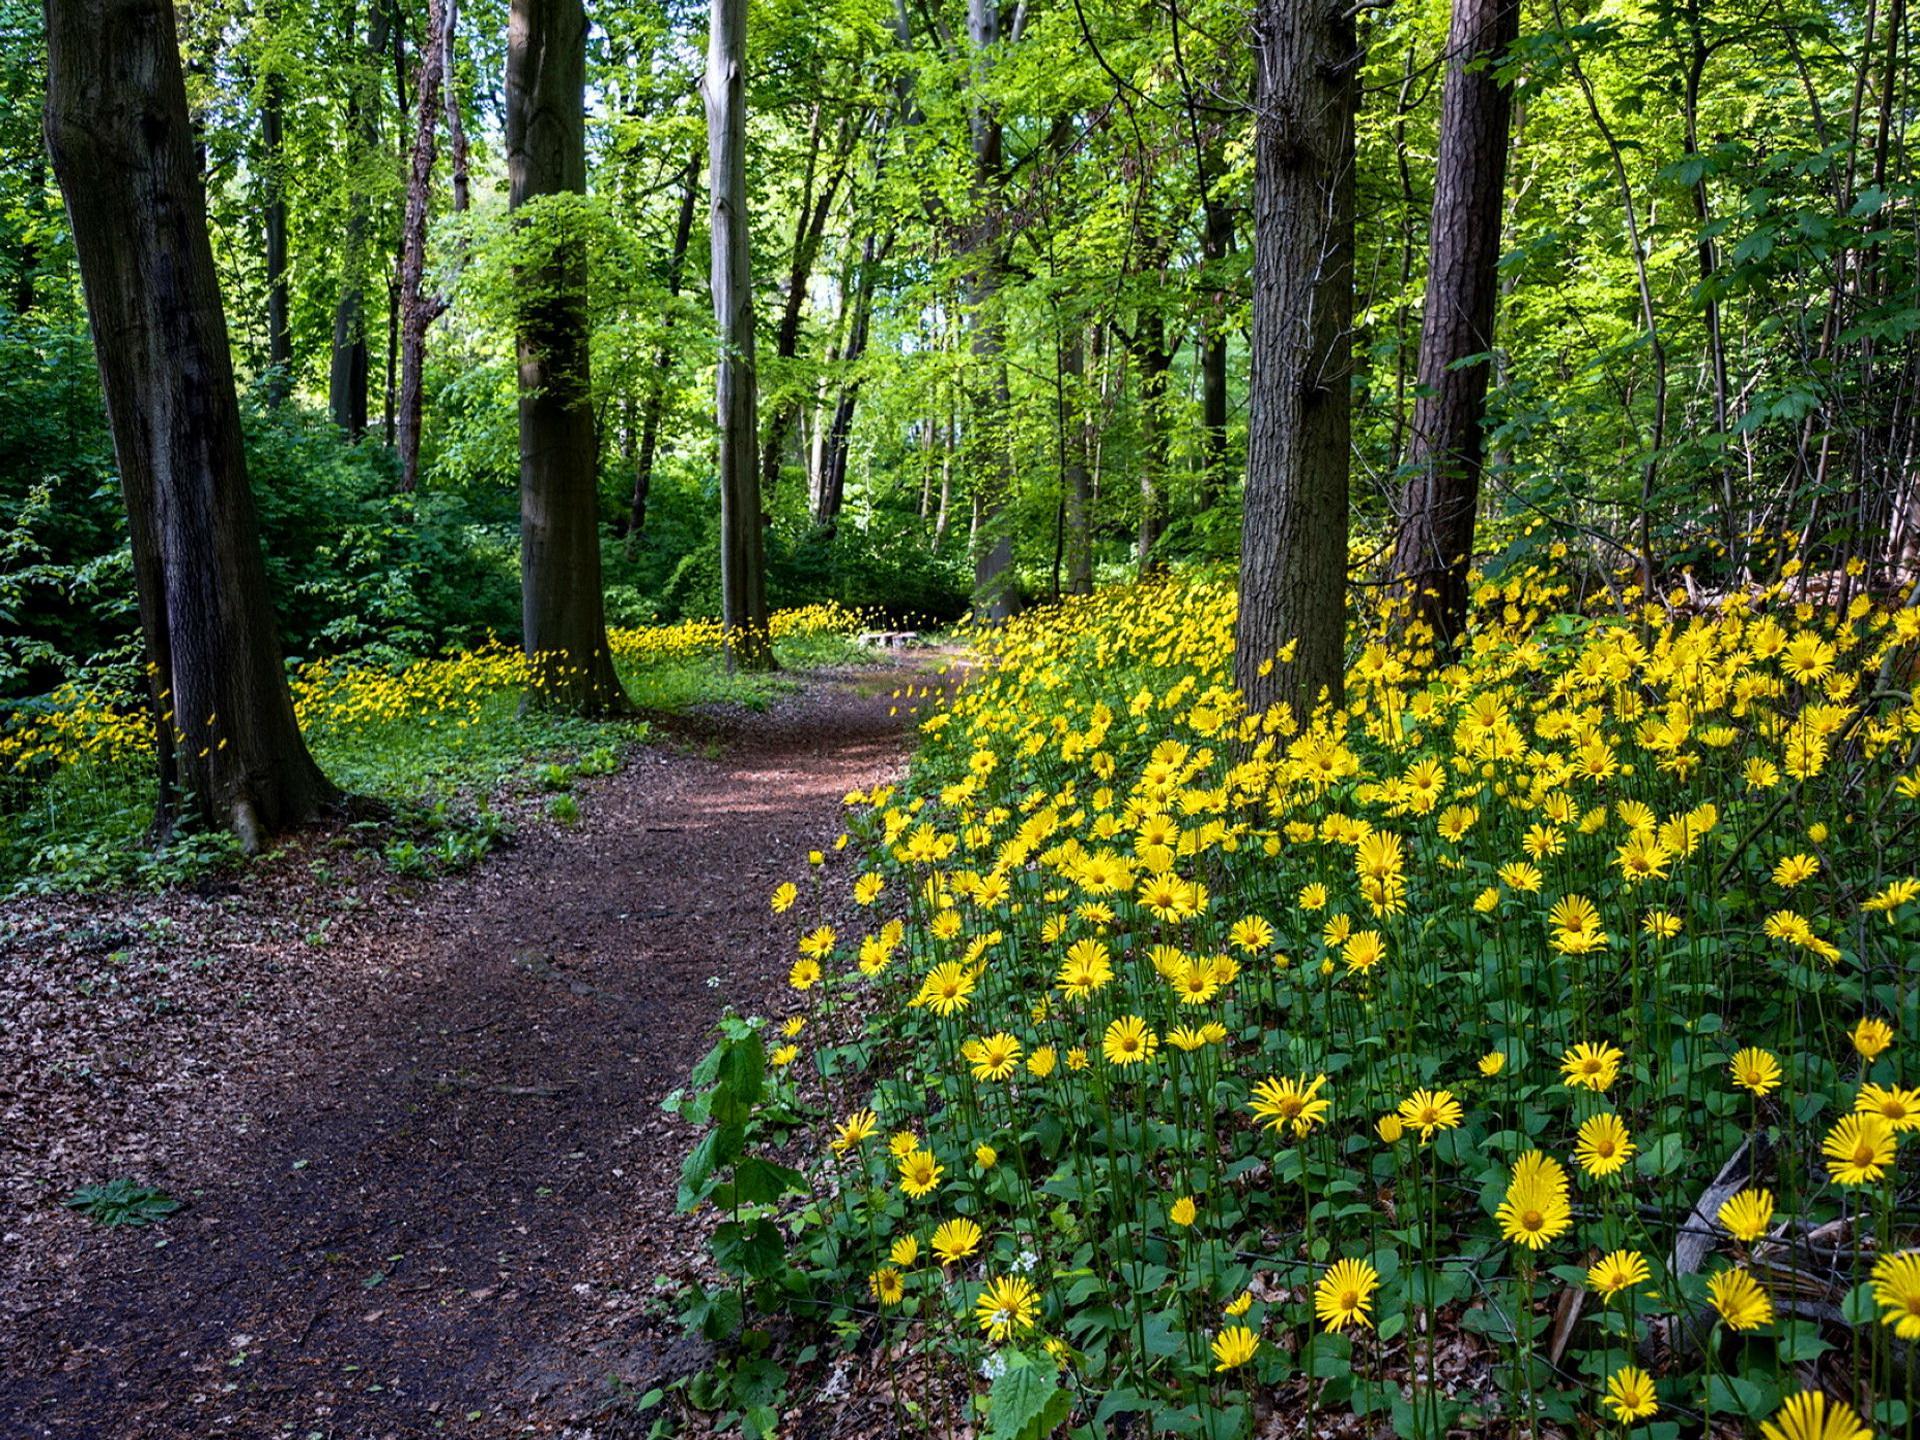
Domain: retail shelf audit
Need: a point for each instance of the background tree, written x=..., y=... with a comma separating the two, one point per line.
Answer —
x=229, y=751
x=1442, y=499
x=744, y=613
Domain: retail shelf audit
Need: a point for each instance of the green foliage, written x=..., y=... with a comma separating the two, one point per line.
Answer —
x=122, y=1202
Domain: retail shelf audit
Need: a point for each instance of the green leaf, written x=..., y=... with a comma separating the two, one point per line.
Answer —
x=1028, y=1402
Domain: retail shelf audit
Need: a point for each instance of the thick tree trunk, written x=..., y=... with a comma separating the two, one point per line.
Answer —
x=229, y=749
x=745, y=620
x=1435, y=544
x=662, y=363
x=274, y=180
x=1290, y=641
x=418, y=310
x=347, y=375
x=563, y=619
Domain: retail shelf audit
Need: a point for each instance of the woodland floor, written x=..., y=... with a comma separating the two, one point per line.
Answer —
x=417, y=1125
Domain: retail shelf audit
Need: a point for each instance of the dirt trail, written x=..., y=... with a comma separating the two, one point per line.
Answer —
x=442, y=1209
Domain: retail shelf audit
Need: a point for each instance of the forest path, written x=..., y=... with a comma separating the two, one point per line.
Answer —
x=443, y=1212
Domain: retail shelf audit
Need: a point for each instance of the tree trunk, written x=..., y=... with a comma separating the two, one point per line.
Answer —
x=1290, y=641
x=228, y=747
x=418, y=310
x=1435, y=544
x=1155, y=362
x=450, y=89
x=809, y=228
x=662, y=363
x=995, y=593
x=833, y=460
x=563, y=619
x=274, y=182
x=347, y=375
x=1076, y=480
x=745, y=621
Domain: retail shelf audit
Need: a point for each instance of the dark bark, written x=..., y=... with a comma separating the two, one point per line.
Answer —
x=1447, y=448
x=833, y=460
x=1290, y=640
x=450, y=89
x=418, y=309
x=562, y=609
x=995, y=592
x=347, y=374
x=1076, y=479
x=228, y=747
x=274, y=182
x=1153, y=361
x=745, y=620
x=662, y=361
x=809, y=229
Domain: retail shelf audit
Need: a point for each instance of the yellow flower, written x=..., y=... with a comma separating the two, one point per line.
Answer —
x=1630, y=1394
x=804, y=975
x=855, y=1128
x=818, y=943
x=1755, y=1070
x=1007, y=1304
x=1430, y=1110
x=1345, y=1294
x=867, y=889
x=793, y=1025
x=1535, y=1211
x=1661, y=924
x=1890, y=899
x=784, y=894
x=902, y=1143
x=1363, y=951
x=1128, y=1041
x=1492, y=1063
x=1041, y=1062
x=1240, y=1304
x=1251, y=933
x=886, y=1285
x=947, y=988
x=1616, y=1271
x=1858, y=1149
x=1896, y=1286
x=1576, y=926
x=1313, y=897
x=1602, y=1146
x=1086, y=969
x=1899, y=1107
x=1234, y=1347
x=1747, y=1214
x=1286, y=1101
x=1592, y=1066
x=919, y=1172
x=1183, y=1212
x=985, y=1156
x=904, y=1251
x=955, y=1240
x=785, y=1055
x=995, y=1057
x=1390, y=1128
x=1793, y=869
x=1871, y=1036
x=1811, y=1416
x=1742, y=1304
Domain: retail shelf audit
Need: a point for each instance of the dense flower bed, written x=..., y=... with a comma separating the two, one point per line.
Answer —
x=1523, y=1044
x=77, y=725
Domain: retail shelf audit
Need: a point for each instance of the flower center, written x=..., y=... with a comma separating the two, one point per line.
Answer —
x=1532, y=1220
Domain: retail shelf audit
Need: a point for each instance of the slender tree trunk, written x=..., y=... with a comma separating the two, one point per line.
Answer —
x=347, y=375
x=27, y=277
x=418, y=309
x=809, y=229
x=996, y=593
x=274, y=181
x=450, y=91
x=228, y=746
x=744, y=616
x=833, y=459
x=563, y=620
x=1435, y=543
x=662, y=362
x=1153, y=361
x=1076, y=479
x=1290, y=640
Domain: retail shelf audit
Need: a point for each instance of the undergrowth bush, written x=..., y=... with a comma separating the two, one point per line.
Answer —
x=1519, y=1049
